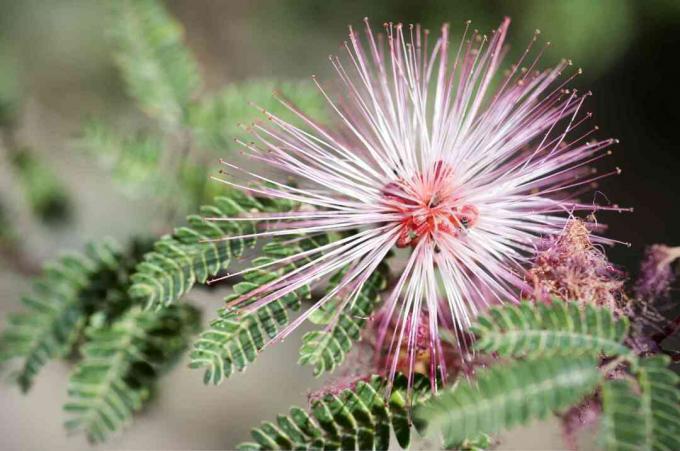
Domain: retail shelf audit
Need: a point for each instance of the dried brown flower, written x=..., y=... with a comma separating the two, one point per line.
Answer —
x=570, y=266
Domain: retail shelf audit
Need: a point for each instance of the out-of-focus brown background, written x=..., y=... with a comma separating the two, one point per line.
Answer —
x=628, y=50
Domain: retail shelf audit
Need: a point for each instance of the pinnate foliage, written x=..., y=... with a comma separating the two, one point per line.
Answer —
x=195, y=252
x=357, y=417
x=565, y=353
x=159, y=71
x=558, y=328
x=234, y=339
x=133, y=161
x=161, y=74
x=561, y=352
x=120, y=364
x=660, y=404
x=643, y=413
x=620, y=424
x=45, y=193
x=217, y=119
x=326, y=349
x=510, y=395
x=81, y=307
x=56, y=312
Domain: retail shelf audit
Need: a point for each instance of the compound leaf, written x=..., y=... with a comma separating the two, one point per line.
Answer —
x=120, y=364
x=56, y=312
x=234, y=339
x=509, y=395
x=357, y=417
x=558, y=328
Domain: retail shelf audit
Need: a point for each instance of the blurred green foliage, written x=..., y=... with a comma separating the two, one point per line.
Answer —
x=7, y=233
x=57, y=310
x=83, y=304
x=170, y=158
x=574, y=26
x=120, y=367
x=81, y=309
x=87, y=303
x=10, y=91
x=44, y=191
x=159, y=71
x=594, y=34
x=132, y=160
x=220, y=118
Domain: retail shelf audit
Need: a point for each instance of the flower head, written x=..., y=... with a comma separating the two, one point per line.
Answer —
x=459, y=165
x=570, y=266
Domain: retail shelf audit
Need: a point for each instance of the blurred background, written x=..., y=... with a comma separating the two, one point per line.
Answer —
x=57, y=70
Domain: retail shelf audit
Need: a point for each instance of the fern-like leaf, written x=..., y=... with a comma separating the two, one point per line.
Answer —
x=159, y=71
x=646, y=417
x=660, y=403
x=353, y=418
x=234, y=340
x=215, y=120
x=195, y=252
x=564, y=328
x=56, y=312
x=509, y=395
x=44, y=191
x=132, y=161
x=621, y=427
x=326, y=349
x=120, y=364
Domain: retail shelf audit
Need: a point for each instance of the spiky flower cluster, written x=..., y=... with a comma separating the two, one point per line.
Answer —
x=459, y=165
x=570, y=266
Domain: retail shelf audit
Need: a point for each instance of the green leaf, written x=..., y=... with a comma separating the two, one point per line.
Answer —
x=356, y=417
x=233, y=339
x=646, y=417
x=159, y=71
x=480, y=443
x=11, y=92
x=326, y=349
x=120, y=365
x=558, y=328
x=133, y=161
x=621, y=425
x=509, y=395
x=106, y=296
x=8, y=235
x=196, y=252
x=660, y=403
x=57, y=310
x=137, y=164
x=44, y=191
x=217, y=119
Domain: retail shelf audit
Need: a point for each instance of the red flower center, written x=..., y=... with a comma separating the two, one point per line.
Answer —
x=429, y=208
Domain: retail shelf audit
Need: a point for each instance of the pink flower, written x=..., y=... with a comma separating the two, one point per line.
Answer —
x=569, y=266
x=461, y=166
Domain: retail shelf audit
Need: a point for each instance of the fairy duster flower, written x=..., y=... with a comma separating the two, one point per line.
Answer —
x=434, y=151
x=570, y=266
